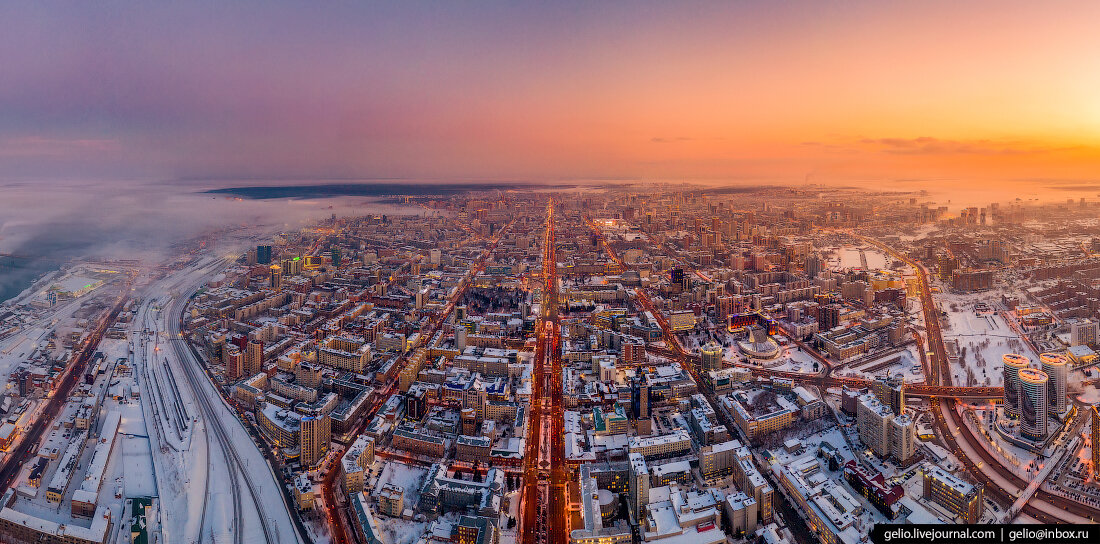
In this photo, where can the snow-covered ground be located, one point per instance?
(22, 345)
(905, 362)
(202, 495)
(406, 477)
(849, 257)
(983, 336)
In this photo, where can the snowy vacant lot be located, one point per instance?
(983, 337)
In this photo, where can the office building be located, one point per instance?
(960, 498)
(712, 356)
(263, 254)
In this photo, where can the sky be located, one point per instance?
(823, 92)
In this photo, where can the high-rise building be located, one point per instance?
(737, 261)
(813, 265)
(712, 356)
(903, 437)
(263, 254)
(884, 432)
(639, 398)
(276, 276)
(416, 403)
(1056, 367)
(1034, 405)
(254, 358)
(676, 276)
(639, 484)
(315, 433)
(293, 267)
(1013, 364)
(828, 316)
(1083, 332)
(958, 497)
(234, 362)
(890, 390)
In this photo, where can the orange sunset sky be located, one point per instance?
(829, 92)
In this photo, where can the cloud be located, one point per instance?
(927, 145)
(677, 139)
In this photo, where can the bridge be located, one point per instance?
(823, 380)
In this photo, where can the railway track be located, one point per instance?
(234, 464)
(202, 388)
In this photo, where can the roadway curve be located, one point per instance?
(203, 389)
(950, 425)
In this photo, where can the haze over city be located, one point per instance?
(549, 273)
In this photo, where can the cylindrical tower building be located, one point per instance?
(1013, 364)
(712, 356)
(1056, 367)
(1034, 405)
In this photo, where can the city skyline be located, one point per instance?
(623, 272)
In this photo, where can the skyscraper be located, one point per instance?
(890, 390)
(276, 276)
(1033, 403)
(1056, 367)
(263, 254)
(254, 358)
(315, 433)
(1013, 364)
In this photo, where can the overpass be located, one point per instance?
(821, 380)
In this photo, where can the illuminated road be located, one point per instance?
(559, 479)
(542, 515)
(950, 425)
(336, 517)
(942, 396)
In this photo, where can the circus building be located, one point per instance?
(759, 345)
